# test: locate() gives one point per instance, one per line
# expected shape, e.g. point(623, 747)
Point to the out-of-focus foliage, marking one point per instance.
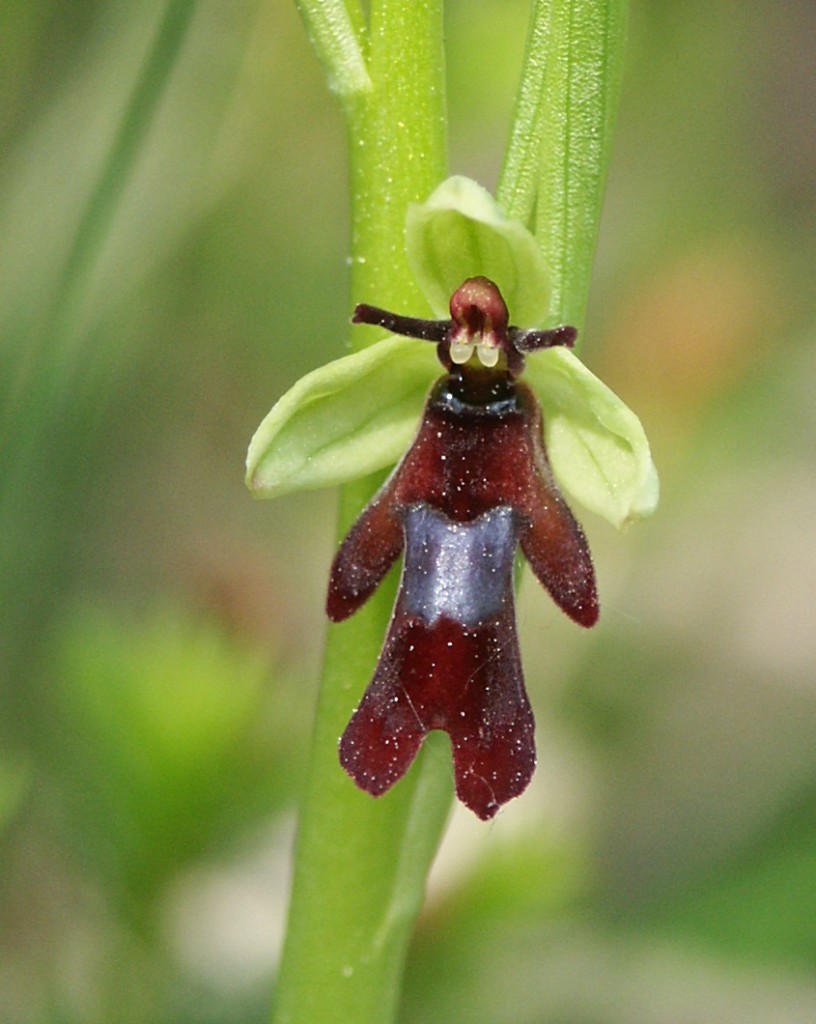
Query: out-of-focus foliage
point(159, 630)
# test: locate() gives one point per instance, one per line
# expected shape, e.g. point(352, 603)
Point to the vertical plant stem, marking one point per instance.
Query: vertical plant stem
point(361, 864)
point(397, 143)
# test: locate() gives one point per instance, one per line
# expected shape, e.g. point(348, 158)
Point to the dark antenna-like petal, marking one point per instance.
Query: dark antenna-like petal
point(409, 326)
point(531, 340)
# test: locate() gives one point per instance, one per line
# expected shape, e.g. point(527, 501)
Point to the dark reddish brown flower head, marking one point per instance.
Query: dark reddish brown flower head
point(479, 322)
point(474, 485)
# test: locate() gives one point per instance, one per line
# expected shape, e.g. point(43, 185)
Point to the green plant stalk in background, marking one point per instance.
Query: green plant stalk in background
point(52, 357)
point(361, 864)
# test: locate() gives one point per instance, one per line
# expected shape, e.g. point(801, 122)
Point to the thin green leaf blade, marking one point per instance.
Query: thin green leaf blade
point(582, 55)
point(334, 30)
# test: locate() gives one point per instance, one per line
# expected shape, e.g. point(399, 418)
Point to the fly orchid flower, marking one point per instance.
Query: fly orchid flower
point(483, 476)
point(473, 486)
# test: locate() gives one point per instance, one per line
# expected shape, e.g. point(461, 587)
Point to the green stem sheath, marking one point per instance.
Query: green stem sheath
point(555, 170)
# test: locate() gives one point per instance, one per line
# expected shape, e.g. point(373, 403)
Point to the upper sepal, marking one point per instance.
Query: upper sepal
point(461, 232)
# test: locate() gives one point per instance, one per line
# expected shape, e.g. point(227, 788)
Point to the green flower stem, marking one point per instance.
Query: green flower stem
point(397, 140)
point(361, 864)
point(556, 166)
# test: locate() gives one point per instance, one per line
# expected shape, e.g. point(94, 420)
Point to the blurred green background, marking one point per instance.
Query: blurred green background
point(160, 632)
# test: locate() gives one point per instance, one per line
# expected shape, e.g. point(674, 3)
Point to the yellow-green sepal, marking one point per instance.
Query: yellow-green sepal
point(348, 418)
point(596, 445)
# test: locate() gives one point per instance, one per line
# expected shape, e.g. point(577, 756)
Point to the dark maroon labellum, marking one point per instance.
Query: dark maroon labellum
point(473, 486)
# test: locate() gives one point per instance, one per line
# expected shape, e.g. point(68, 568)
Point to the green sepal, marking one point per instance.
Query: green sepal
point(348, 418)
point(596, 445)
point(358, 414)
point(462, 232)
